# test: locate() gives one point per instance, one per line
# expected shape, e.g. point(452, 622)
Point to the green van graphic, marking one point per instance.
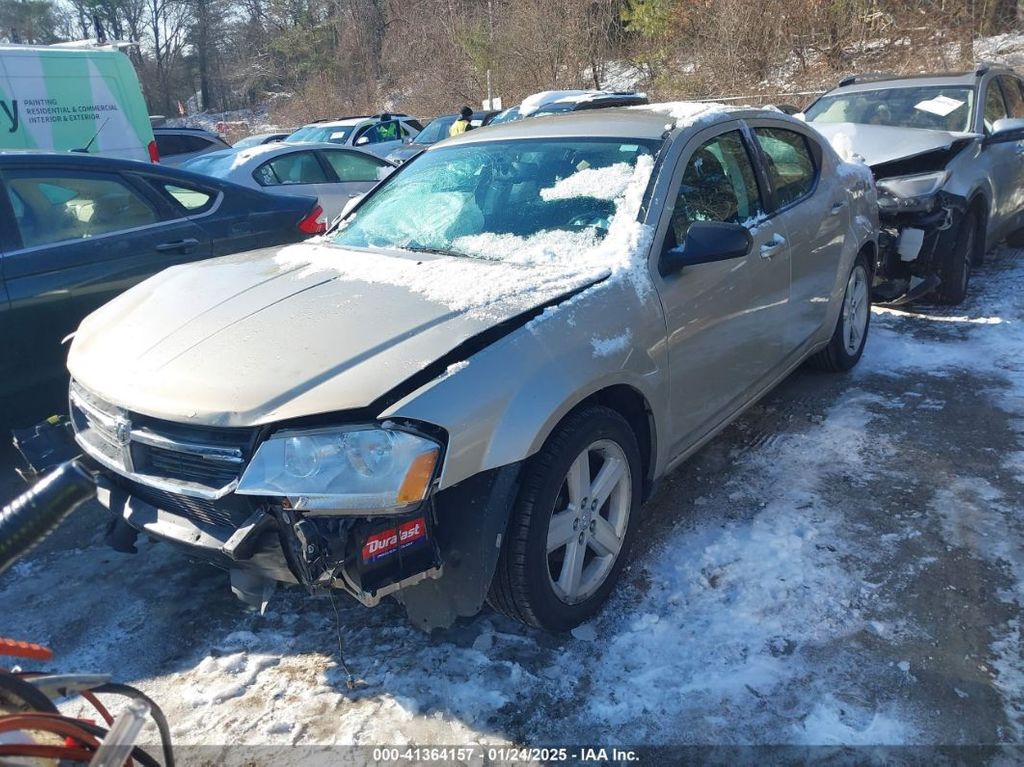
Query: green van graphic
point(62, 99)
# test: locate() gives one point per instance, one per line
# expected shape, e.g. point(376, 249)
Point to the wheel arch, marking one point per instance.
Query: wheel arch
point(633, 406)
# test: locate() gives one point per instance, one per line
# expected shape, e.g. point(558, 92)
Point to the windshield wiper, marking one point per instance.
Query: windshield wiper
point(434, 251)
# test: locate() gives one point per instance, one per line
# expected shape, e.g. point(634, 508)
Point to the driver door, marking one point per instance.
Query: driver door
point(726, 320)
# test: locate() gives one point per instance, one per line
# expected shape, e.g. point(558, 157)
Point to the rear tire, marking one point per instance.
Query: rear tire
point(955, 271)
point(572, 523)
point(846, 346)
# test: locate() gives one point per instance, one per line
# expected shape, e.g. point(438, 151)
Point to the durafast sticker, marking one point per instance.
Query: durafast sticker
point(387, 542)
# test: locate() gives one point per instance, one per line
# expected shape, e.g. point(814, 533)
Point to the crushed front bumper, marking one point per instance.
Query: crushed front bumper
point(912, 247)
point(437, 560)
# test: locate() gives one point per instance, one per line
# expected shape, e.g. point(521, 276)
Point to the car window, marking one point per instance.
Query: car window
point(169, 144)
point(292, 168)
point(354, 166)
point(930, 107)
point(436, 130)
point(387, 131)
point(190, 198)
point(514, 199)
point(1012, 93)
point(195, 143)
point(995, 107)
point(790, 163)
point(53, 208)
point(718, 185)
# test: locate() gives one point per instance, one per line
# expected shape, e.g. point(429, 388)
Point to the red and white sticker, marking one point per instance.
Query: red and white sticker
point(387, 542)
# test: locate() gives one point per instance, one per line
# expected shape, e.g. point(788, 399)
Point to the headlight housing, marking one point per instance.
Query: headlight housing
point(911, 193)
point(349, 470)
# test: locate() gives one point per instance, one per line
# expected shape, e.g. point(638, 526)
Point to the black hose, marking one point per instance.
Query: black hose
point(115, 688)
point(33, 515)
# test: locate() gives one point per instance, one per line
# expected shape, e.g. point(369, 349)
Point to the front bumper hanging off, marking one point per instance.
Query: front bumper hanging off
point(912, 249)
point(437, 559)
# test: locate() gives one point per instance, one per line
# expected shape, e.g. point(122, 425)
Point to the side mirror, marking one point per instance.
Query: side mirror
point(362, 141)
point(1005, 130)
point(352, 202)
point(707, 241)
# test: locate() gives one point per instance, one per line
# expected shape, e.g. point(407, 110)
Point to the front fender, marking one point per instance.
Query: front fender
point(499, 406)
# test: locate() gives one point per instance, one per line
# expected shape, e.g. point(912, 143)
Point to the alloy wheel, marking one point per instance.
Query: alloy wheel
point(855, 310)
point(589, 521)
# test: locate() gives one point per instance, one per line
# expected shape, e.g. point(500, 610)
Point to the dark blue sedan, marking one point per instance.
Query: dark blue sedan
point(76, 230)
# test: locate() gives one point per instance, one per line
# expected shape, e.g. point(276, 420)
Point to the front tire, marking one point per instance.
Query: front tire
point(572, 523)
point(846, 346)
point(955, 271)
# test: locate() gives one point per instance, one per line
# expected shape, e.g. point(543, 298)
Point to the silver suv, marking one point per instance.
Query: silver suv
point(467, 389)
point(947, 152)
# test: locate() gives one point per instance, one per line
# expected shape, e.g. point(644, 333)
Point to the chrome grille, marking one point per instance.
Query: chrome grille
point(198, 462)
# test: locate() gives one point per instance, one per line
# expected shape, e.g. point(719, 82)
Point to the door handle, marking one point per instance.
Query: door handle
point(837, 208)
point(181, 246)
point(772, 247)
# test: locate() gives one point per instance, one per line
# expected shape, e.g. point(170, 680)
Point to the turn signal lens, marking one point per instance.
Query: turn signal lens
point(417, 479)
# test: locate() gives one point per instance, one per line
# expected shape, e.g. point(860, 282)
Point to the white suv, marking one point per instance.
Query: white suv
point(379, 134)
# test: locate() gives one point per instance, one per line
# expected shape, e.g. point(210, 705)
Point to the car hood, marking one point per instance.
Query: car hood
point(879, 144)
point(288, 332)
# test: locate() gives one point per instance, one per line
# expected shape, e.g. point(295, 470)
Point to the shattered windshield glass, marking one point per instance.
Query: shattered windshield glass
point(927, 107)
point(500, 200)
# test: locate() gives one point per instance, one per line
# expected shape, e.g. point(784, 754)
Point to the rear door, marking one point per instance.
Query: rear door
point(725, 319)
point(294, 173)
point(814, 211)
point(354, 172)
point(82, 237)
point(235, 218)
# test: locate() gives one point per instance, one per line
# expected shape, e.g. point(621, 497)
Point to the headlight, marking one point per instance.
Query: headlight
point(352, 470)
point(915, 192)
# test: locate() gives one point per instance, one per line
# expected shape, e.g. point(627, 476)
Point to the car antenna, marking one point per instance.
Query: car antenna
point(87, 147)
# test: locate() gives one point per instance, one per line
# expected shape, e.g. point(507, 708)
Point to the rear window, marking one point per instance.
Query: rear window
point(192, 199)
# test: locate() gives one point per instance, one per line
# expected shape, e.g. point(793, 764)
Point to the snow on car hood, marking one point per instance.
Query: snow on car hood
point(274, 334)
point(879, 144)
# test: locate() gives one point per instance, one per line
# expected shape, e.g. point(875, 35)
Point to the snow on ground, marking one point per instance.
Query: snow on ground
point(842, 566)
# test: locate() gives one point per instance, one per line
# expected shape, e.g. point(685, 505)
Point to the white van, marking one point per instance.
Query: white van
point(63, 99)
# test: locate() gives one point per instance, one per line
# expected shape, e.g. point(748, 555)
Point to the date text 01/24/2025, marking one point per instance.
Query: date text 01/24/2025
point(502, 754)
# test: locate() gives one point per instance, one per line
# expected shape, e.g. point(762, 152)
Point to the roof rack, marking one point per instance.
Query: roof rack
point(981, 68)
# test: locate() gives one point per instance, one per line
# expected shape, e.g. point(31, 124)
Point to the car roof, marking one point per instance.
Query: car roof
point(643, 122)
point(28, 158)
point(337, 123)
point(880, 81)
point(245, 154)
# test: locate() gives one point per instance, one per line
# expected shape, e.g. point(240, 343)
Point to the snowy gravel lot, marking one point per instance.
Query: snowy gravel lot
point(844, 565)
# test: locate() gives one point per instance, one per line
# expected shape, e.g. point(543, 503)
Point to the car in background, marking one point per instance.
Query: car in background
point(556, 102)
point(379, 134)
point(77, 230)
point(434, 131)
point(465, 391)
point(179, 145)
point(946, 152)
point(261, 138)
point(331, 173)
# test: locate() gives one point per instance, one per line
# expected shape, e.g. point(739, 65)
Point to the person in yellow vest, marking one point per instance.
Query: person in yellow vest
point(462, 124)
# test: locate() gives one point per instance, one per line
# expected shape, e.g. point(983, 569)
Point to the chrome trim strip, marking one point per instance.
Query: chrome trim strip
point(106, 420)
point(188, 489)
point(228, 455)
